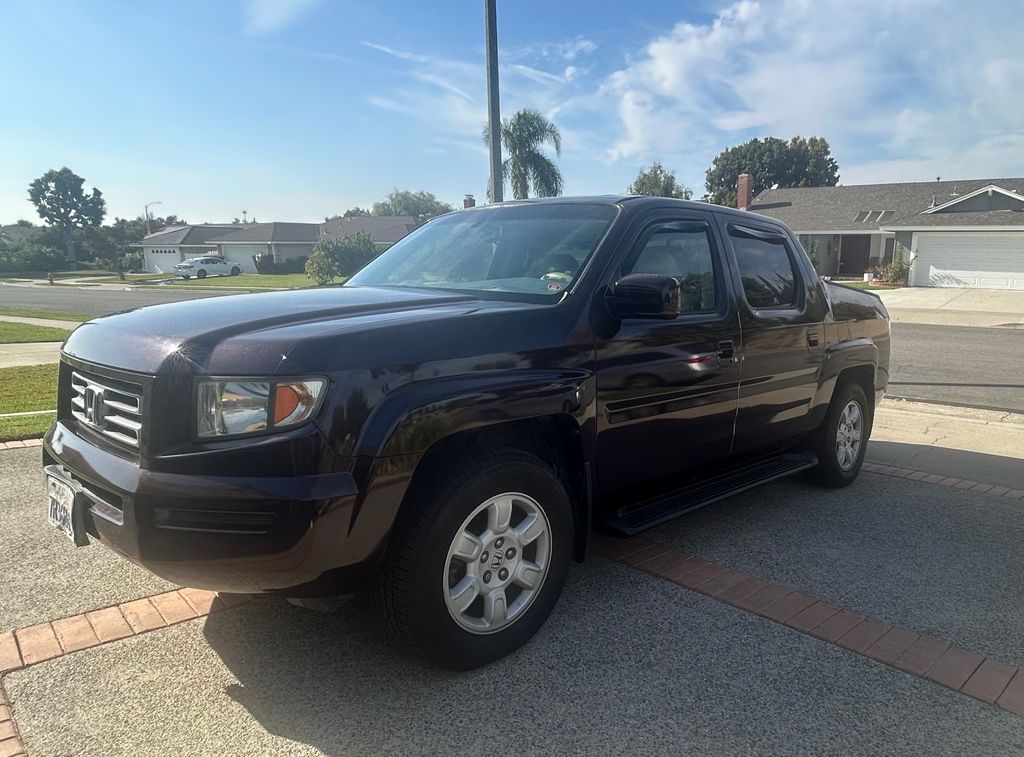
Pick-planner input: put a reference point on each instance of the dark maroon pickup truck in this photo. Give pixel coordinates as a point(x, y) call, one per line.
point(450, 425)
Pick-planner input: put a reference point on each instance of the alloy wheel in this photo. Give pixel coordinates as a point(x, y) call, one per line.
point(497, 563)
point(848, 435)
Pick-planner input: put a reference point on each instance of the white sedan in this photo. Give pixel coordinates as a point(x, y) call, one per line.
point(207, 266)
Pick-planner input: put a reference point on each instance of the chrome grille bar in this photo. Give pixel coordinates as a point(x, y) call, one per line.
point(110, 411)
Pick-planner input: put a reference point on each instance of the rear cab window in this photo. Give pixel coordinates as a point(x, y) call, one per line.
point(768, 270)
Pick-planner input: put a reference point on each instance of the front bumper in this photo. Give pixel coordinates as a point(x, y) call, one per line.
point(286, 535)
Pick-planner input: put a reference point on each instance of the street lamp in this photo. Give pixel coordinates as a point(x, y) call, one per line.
point(145, 213)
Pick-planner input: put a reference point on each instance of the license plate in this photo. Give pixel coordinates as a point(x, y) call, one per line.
point(62, 507)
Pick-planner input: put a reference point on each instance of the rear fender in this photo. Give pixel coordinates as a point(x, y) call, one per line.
point(853, 353)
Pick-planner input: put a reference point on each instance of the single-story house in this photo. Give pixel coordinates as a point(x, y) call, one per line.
point(162, 249)
point(383, 230)
point(239, 243)
point(280, 240)
point(965, 233)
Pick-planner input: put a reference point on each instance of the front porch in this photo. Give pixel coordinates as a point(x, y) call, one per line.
point(848, 253)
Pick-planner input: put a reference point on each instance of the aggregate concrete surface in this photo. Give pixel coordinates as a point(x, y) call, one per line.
point(627, 664)
point(44, 575)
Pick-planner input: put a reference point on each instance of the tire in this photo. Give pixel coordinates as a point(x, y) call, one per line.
point(235, 270)
point(200, 274)
point(417, 588)
point(839, 464)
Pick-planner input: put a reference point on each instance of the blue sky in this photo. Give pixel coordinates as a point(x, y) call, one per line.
point(299, 109)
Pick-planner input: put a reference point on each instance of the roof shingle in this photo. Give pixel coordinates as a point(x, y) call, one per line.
point(806, 209)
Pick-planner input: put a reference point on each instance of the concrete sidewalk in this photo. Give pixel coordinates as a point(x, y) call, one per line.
point(55, 322)
point(955, 307)
point(968, 443)
point(29, 353)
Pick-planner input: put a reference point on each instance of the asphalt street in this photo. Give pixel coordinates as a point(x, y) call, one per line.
point(92, 301)
point(979, 367)
point(627, 664)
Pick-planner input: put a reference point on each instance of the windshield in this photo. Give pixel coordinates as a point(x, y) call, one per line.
point(526, 249)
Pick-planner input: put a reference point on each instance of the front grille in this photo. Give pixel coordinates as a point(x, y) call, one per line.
point(107, 407)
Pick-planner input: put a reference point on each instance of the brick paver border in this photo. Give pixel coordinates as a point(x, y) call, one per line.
point(21, 444)
point(45, 641)
point(938, 479)
point(990, 680)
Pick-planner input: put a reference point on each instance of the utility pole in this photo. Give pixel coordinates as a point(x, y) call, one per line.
point(493, 106)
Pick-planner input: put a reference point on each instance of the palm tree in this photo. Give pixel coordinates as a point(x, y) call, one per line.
point(526, 165)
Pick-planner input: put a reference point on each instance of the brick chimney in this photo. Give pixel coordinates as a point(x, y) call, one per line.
point(469, 202)
point(744, 191)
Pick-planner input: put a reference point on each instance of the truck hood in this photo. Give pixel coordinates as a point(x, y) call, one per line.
point(252, 333)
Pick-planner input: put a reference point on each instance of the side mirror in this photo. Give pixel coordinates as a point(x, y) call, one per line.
point(646, 295)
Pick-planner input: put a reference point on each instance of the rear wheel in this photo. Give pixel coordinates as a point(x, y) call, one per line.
point(841, 441)
point(477, 559)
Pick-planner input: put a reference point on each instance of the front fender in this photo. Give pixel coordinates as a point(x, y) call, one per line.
point(402, 428)
point(420, 414)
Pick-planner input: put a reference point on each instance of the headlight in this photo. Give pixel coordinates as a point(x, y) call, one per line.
point(251, 406)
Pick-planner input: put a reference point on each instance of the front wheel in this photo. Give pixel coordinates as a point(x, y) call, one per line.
point(842, 439)
point(477, 559)
point(201, 274)
point(235, 270)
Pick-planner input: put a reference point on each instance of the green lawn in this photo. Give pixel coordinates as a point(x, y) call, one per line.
point(247, 281)
point(59, 315)
point(28, 387)
point(19, 333)
point(24, 427)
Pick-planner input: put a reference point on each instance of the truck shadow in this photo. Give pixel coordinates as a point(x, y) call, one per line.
point(337, 682)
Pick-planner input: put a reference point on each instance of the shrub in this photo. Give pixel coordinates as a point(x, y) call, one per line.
point(899, 269)
point(347, 255)
point(265, 263)
point(320, 266)
point(30, 258)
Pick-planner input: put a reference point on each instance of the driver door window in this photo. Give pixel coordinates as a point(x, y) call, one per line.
point(682, 251)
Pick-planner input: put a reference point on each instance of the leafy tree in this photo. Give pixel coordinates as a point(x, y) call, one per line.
point(320, 266)
point(526, 165)
point(415, 204)
point(356, 211)
point(657, 182)
point(61, 201)
point(797, 163)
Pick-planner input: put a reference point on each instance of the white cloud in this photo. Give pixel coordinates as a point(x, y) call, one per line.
point(267, 16)
point(905, 90)
point(448, 95)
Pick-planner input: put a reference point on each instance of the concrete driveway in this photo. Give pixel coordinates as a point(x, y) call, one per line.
point(654, 648)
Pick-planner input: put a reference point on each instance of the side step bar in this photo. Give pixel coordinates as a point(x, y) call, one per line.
point(632, 519)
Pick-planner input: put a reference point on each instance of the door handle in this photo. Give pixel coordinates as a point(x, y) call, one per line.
point(812, 337)
point(726, 352)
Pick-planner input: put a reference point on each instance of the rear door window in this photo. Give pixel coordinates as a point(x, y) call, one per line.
point(767, 268)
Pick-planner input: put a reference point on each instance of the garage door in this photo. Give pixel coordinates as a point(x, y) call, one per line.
point(993, 260)
point(241, 255)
